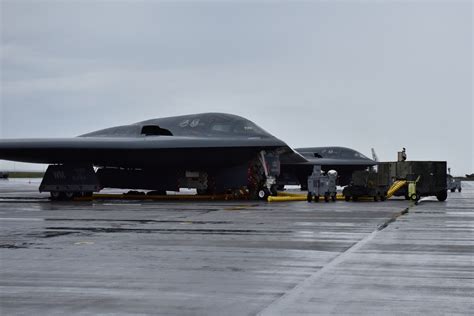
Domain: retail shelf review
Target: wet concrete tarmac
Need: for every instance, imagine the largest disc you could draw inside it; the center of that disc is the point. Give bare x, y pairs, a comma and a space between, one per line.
234, 258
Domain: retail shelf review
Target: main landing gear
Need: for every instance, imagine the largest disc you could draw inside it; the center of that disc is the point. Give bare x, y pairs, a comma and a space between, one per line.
262, 173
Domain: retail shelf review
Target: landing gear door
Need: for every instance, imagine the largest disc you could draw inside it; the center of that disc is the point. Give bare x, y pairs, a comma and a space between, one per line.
272, 161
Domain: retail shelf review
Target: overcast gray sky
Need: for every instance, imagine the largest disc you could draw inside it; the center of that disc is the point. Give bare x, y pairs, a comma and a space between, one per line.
359, 74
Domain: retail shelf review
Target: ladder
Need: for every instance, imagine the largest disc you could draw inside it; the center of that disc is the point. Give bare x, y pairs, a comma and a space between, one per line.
397, 185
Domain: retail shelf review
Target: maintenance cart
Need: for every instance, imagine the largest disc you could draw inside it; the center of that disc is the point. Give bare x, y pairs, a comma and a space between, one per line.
367, 184
322, 185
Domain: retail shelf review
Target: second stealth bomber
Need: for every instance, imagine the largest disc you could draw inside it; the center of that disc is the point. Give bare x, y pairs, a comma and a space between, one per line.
344, 160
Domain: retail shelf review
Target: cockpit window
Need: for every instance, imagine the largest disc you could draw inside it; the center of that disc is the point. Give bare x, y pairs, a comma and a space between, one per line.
155, 130
325, 153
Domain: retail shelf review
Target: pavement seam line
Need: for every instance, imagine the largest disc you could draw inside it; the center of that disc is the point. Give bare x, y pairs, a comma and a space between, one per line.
275, 307
393, 219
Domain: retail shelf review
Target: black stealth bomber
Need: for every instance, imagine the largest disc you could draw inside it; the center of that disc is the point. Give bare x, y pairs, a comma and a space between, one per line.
344, 160
213, 152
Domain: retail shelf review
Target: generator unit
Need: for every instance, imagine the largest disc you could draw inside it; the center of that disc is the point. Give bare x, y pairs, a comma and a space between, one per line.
320, 184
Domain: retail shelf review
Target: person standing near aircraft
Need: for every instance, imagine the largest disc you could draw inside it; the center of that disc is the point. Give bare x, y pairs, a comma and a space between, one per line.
402, 155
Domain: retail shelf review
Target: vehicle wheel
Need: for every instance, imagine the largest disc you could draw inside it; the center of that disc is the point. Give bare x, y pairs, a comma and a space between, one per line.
333, 197
316, 198
459, 189
453, 190
263, 194
309, 197
414, 197
442, 196
326, 198
383, 197
347, 198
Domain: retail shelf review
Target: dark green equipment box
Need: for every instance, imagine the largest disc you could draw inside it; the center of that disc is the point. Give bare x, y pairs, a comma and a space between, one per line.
432, 176
367, 184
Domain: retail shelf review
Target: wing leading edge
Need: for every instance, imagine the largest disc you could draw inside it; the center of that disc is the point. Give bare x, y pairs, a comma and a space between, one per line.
136, 152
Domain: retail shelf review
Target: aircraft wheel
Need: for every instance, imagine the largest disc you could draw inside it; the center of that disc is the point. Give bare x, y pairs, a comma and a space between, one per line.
309, 197
263, 194
459, 189
453, 190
